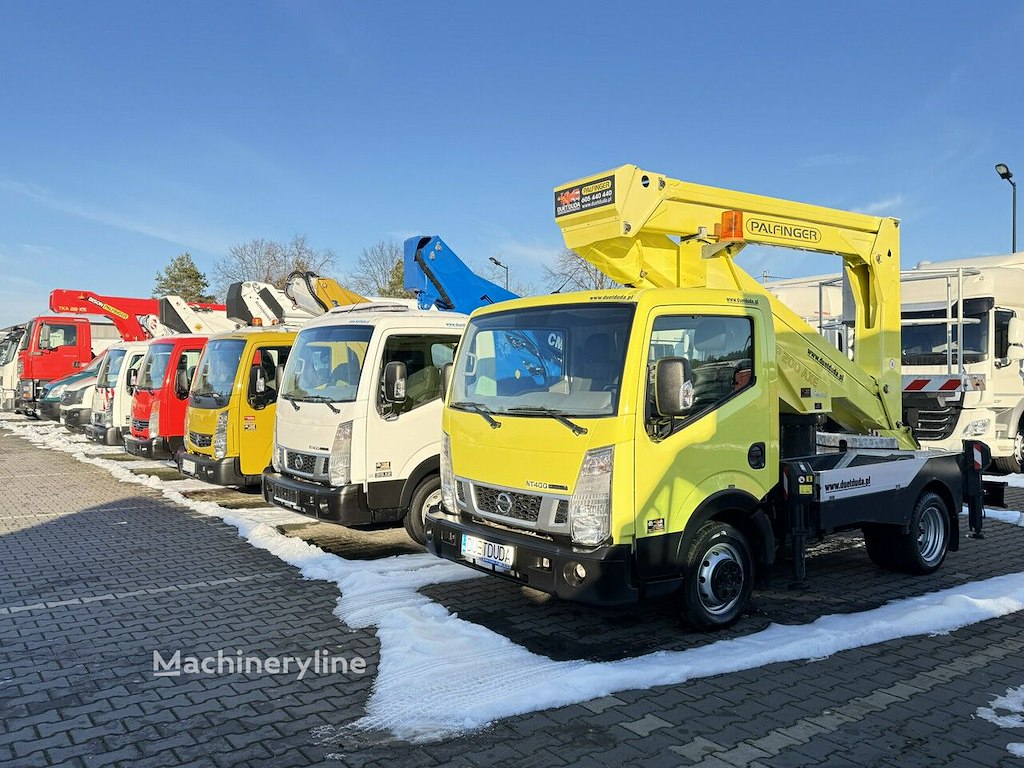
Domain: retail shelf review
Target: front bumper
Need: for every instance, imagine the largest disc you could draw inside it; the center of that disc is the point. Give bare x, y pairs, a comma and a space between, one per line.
609, 576
345, 505
49, 409
151, 448
77, 419
226, 471
105, 435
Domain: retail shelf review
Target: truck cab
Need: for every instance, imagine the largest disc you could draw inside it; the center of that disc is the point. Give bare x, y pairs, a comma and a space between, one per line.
9, 367
161, 396
52, 347
358, 416
110, 415
229, 425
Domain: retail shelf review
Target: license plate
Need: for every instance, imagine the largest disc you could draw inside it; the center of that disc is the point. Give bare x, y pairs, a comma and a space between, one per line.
500, 557
286, 497
188, 466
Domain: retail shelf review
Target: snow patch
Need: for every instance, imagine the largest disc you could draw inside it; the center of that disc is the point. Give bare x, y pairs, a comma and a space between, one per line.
1012, 704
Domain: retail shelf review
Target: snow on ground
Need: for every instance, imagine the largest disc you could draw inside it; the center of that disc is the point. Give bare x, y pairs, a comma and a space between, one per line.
1014, 481
1012, 703
440, 675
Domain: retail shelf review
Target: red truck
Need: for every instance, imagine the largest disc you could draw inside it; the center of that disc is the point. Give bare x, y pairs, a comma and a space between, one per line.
161, 396
52, 347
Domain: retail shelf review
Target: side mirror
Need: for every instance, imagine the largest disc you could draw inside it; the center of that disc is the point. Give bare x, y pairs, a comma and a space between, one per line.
181, 384
446, 379
394, 382
279, 377
258, 392
133, 379
1015, 336
673, 386
44, 337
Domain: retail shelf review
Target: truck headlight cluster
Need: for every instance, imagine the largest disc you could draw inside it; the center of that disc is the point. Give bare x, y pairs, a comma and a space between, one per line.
220, 436
56, 392
977, 428
447, 474
277, 455
590, 508
340, 471
154, 419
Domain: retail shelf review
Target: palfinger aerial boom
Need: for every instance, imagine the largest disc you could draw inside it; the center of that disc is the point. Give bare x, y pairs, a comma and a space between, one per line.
646, 230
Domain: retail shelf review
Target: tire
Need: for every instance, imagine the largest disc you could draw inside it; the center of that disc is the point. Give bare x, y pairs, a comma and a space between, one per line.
426, 495
1013, 464
718, 577
922, 549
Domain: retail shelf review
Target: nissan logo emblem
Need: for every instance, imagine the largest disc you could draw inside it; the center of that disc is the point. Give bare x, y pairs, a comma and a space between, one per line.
503, 503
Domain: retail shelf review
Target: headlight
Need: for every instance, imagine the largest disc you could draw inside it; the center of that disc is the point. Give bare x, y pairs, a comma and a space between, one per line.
590, 508
78, 396
340, 471
185, 427
220, 436
977, 428
56, 392
277, 455
447, 474
154, 419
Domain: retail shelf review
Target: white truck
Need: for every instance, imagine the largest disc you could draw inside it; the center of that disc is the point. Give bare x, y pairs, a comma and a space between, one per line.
9, 343
358, 427
947, 397
111, 405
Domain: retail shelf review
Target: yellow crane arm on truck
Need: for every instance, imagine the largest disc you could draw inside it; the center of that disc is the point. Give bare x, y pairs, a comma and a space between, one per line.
317, 295
646, 230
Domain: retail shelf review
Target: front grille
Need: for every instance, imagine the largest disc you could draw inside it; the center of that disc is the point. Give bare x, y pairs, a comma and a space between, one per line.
140, 426
307, 464
97, 419
517, 506
562, 513
200, 440
933, 421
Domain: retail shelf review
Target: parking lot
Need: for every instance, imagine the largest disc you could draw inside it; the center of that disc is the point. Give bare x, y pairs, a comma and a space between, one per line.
108, 562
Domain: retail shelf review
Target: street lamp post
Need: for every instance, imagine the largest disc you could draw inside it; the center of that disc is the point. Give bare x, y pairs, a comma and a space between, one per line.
506, 268
1005, 173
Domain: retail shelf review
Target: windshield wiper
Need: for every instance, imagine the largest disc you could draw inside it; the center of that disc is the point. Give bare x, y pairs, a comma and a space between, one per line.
317, 399
291, 400
540, 410
478, 408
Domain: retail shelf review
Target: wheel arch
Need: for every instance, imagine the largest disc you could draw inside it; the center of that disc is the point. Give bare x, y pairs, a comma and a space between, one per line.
740, 510
429, 466
943, 491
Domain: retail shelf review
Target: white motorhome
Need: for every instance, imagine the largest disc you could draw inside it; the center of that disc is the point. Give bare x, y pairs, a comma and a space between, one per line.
358, 427
111, 404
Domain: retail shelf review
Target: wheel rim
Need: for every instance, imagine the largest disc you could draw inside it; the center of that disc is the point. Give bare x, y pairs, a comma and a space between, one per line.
931, 534
431, 501
720, 579
1018, 448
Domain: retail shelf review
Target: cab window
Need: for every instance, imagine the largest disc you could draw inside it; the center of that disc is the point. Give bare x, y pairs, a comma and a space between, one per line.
60, 335
423, 357
720, 352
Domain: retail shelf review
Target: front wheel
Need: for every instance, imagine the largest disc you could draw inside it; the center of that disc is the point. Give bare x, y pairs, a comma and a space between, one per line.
718, 577
426, 495
1012, 464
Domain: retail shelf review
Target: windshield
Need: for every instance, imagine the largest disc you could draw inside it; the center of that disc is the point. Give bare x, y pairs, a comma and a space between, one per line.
217, 370
94, 366
326, 363
926, 344
567, 359
26, 337
107, 376
154, 366
8, 349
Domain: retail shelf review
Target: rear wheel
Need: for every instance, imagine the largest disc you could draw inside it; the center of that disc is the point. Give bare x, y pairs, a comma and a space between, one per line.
718, 577
426, 495
920, 550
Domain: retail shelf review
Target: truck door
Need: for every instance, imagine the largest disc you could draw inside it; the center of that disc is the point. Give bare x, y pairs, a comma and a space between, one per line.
255, 411
727, 441
400, 436
58, 350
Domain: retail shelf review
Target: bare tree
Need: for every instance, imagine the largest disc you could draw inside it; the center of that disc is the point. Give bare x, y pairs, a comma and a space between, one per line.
379, 271
268, 261
572, 273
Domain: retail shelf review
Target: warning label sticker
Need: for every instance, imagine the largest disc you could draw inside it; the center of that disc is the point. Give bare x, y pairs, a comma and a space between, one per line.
583, 197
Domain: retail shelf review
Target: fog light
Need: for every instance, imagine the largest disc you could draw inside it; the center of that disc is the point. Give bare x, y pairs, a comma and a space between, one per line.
574, 573
545, 563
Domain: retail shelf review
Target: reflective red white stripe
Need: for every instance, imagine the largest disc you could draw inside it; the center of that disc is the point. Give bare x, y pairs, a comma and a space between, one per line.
943, 383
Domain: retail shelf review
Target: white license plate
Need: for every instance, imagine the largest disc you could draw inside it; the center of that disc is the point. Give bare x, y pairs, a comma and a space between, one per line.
500, 557
188, 466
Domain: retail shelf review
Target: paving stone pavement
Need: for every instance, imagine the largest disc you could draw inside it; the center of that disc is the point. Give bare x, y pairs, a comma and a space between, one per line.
95, 575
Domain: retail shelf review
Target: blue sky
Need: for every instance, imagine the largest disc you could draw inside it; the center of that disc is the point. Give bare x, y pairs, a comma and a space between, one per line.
131, 132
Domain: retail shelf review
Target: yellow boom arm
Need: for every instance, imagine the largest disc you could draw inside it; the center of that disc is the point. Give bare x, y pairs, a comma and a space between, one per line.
644, 229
